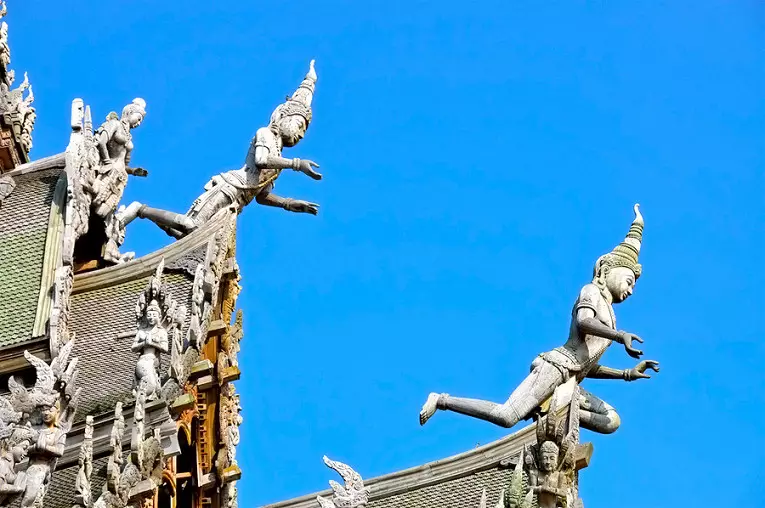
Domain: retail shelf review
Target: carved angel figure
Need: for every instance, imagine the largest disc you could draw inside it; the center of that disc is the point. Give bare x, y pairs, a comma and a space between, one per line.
157, 315
256, 179
350, 495
115, 144
592, 331
51, 405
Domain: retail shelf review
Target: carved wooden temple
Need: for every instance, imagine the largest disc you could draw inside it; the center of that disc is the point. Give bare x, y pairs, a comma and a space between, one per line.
154, 339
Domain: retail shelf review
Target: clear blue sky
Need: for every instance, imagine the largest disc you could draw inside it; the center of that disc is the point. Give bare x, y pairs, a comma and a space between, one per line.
478, 158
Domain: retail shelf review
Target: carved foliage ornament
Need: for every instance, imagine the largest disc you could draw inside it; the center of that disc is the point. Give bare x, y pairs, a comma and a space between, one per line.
350, 495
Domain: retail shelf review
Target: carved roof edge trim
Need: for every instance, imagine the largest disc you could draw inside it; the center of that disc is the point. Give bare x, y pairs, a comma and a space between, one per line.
53, 161
54, 240
156, 414
463, 464
145, 265
12, 357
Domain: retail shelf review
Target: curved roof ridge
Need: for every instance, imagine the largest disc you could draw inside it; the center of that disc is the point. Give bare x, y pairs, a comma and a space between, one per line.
145, 265
478, 459
52, 161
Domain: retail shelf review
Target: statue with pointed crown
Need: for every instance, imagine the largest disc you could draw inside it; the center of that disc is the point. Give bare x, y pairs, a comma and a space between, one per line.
592, 331
158, 316
256, 179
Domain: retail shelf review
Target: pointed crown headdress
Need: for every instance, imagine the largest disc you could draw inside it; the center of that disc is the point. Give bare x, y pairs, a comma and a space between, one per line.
626, 253
300, 102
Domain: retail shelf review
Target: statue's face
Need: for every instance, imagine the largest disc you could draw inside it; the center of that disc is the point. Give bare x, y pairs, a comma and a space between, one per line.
49, 414
292, 129
620, 282
152, 316
548, 457
134, 119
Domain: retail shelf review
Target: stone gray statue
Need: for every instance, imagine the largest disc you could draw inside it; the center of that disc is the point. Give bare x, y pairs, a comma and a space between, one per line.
592, 331
82, 488
256, 179
51, 406
115, 144
158, 317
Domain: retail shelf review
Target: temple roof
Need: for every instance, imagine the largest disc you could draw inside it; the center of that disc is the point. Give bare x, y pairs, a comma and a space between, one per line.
103, 315
452, 482
103, 304
30, 225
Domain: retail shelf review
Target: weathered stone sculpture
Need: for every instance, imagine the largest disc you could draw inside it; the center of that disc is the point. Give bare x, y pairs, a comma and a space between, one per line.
83, 495
49, 411
256, 179
350, 495
135, 484
115, 443
593, 330
158, 317
115, 144
546, 475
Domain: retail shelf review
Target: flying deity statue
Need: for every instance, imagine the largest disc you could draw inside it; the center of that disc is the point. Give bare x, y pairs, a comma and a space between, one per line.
256, 179
592, 331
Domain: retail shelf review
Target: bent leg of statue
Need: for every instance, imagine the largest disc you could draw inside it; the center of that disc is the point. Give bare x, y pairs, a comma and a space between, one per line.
174, 224
537, 387
597, 415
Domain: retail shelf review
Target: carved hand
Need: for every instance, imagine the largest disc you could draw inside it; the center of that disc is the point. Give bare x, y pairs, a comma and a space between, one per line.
626, 339
306, 166
638, 371
300, 206
137, 171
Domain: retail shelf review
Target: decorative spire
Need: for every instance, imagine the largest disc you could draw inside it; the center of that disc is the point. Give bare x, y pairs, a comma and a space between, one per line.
304, 93
626, 253
300, 102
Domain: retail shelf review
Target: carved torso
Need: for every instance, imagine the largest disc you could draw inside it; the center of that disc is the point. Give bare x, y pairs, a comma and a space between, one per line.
237, 187
112, 179
582, 351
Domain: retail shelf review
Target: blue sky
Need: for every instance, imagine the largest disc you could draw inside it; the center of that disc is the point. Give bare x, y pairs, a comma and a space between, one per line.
478, 158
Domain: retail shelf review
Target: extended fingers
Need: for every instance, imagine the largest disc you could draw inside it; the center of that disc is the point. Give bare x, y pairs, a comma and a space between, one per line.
635, 337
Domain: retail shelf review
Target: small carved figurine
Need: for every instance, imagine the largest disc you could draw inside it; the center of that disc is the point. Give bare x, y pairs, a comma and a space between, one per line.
256, 179
593, 330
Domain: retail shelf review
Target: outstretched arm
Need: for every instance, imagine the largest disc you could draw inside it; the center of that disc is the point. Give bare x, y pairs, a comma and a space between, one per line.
261, 157
268, 198
589, 324
637, 372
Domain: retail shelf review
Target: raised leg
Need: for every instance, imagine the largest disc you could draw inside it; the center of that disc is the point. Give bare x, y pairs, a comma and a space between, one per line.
537, 387
174, 224
597, 415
